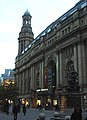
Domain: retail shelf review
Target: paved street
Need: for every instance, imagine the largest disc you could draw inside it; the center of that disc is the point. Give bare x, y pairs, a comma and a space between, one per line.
33, 114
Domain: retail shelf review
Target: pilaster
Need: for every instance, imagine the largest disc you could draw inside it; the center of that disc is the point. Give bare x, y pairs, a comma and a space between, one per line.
23, 83
75, 58
27, 78
84, 62
32, 77
61, 69
57, 70
80, 63
42, 71
20, 81
40, 75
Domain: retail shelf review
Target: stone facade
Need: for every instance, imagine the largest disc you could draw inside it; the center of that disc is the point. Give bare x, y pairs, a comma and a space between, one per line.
43, 63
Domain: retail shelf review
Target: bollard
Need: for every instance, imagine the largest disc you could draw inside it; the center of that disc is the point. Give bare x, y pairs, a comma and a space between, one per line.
56, 116
42, 116
67, 117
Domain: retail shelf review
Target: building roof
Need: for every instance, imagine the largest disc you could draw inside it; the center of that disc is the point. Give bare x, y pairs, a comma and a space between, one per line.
27, 13
79, 5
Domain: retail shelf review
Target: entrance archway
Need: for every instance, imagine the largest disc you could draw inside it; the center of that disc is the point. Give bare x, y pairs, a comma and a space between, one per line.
51, 70
51, 82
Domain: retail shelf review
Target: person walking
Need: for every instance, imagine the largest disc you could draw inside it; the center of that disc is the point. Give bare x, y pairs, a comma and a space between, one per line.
19, 108
24, 109
77, 114
7, 107
15, 111
10, 109
57, 107
86, 118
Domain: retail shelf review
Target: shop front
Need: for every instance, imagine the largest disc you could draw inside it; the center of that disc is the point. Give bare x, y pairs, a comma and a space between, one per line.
23, 100
46, 99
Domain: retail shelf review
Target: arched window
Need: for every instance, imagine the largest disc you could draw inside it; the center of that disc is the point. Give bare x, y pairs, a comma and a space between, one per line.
51, 70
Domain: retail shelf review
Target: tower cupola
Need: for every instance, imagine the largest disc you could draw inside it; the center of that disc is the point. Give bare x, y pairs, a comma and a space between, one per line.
27, 18
26, 35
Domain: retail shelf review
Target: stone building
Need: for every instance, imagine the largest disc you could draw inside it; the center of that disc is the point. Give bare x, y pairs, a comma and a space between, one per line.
7, 78
52, 68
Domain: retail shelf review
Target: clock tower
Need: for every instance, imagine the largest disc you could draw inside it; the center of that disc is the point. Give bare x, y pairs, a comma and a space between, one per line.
26, 35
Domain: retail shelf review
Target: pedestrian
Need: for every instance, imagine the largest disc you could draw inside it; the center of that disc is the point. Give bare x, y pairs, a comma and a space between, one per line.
57, 107
7, 107
40, 107
77, 114
10, 109
19, 108
15, 111
24, 109
86, 118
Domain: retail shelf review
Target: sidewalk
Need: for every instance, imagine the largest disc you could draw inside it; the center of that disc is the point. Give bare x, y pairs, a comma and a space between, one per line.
33, 114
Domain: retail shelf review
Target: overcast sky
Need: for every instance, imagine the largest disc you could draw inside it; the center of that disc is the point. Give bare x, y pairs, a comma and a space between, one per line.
43, 13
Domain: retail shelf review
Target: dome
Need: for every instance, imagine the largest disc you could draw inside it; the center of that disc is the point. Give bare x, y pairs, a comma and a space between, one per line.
26, 13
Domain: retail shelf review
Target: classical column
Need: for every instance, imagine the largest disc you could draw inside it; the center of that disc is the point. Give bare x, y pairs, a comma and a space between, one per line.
80, 63
82, 69
42, 69
20, 86
17, 80
32, 77
61, 69
27, 81
40, 75
75, 58
57, 70
84, 62
23, 83
21, 76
